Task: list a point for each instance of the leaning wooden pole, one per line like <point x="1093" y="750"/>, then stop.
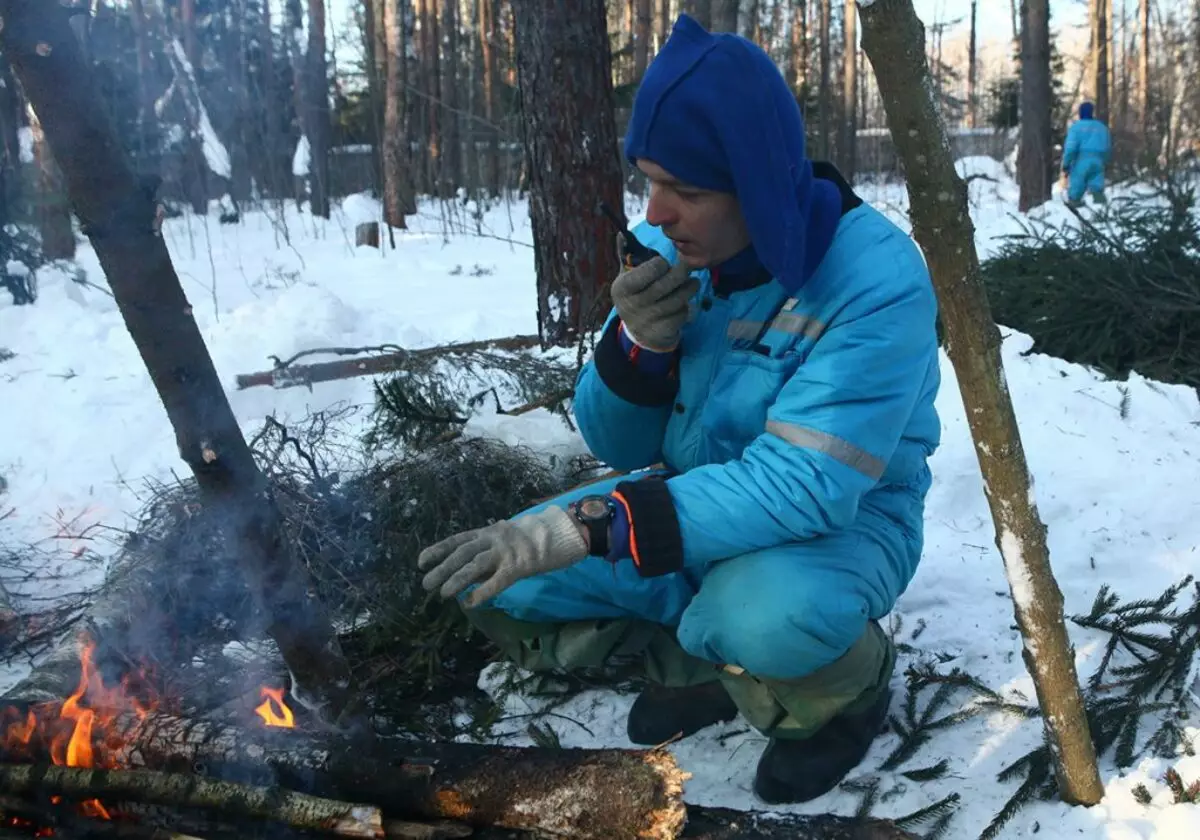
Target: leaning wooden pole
<point x="117" y="213"/>
<point x="894" y="41"/>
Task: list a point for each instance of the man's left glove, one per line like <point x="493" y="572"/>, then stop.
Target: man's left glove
<point x="497" y="556"/>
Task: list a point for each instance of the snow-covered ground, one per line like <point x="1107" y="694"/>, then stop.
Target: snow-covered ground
<point x="1116" y="466"/>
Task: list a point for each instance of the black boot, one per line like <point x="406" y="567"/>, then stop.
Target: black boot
<point x="800" y="770"/>
<point x="660" y="714"/>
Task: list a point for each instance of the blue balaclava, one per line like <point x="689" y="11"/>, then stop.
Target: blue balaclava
<point x="715" y="111"/>
<point x="1086" y="110"/>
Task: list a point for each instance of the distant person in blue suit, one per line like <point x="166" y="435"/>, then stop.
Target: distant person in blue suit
<point x="1085" y="154"/>
<point x="767" y="384"/>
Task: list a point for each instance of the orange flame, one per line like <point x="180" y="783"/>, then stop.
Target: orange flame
<point x="266" y="710"/>
<point x="74" y="729"/>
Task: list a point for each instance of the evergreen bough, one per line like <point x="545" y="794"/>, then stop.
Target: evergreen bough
<point x="1118" y="291"/>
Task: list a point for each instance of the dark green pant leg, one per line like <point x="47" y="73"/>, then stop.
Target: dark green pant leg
<point x="565" y="646"/>
<point x="796" y="708"/>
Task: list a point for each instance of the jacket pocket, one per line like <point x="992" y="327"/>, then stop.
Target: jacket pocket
<point x="745" y="386"/>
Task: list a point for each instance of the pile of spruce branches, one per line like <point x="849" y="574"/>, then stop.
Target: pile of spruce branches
<point x="1118" y="291"/>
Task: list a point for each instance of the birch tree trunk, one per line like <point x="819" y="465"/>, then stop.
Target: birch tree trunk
<point x="1033" y="155"/>
<point x="893" y="38"/>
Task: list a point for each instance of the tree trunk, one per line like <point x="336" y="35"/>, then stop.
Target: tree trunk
<point x="563" y="68"/>
<point x="293" y="30"/>
<point x="1144" y="102"/>
<point x="893" y="38"/>
<point x="10" y="141"/>
<point x="489" y="11"/>
<point x="641" y="39"/>
<point x="273" y="172"/>
<point x="317" y="97"/>
<point x="664" y="21"/>
<point x="1034" y="160"/>
<point x="451" y="171"/>
<point x="118" y="215"/>
<point x="431" y="52"/>
<point x="798" y="53"/>
<point x="195" y="165"/>
<point x="824" y="92"/>
<point x="701" y="10"/>
<point x="724" y="15"/>
<point x="375" y="58"/>
<point x="1099" y="65"/>
<point x="147" y="122"/>
<point x="849" y="132"/>
<point x="972" y="70"/>
<point x="53" y="203"/>
<point x="396" y="191"/>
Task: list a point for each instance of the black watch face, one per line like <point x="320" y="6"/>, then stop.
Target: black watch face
<point x="593" y="508"/>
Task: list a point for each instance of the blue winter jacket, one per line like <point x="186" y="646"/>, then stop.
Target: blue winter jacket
<point x="1088" y="142"/>
<point x="790" y="415"/>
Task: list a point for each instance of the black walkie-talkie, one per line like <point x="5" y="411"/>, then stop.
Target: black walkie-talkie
<point x="635" y="252"/>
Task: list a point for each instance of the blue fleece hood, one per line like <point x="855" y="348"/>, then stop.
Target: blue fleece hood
<point x="1086" y="110"/>
<point x="715" y="111"/>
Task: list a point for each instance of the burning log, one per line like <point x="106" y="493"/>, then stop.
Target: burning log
<point x="586" y="794"/>
<point x="287" y="374"/>
<point x="295" y="809"/>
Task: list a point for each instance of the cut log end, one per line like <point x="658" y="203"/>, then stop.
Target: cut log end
<point x="667" y="821"/>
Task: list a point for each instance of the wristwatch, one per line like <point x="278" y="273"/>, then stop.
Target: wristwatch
<point x="595" y="513"/>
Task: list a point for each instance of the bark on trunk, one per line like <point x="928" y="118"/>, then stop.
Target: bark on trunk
<point x="53" y="205"/>
<point x="1034" y="160"/>
<point x="396" y="192"/>
<point x="824" y="92"/>
<point x="846" y="143"/>
<point x="1100" y="58"/>
<point x="118" y="214"/>
<point x="1144" y="102"/>
<point x="563" y="66"/>
<point x="451" y="172"/>
<point x="489" y="11"/>
<point x="317" y="98"/>
<point x="893" y="38"/>
<point x="972" y="69"/>
<point x="641" y="39"/>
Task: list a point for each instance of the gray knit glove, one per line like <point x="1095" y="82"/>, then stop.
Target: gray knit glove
<point x="500" y="554"/>
<point x="652" y="301"/>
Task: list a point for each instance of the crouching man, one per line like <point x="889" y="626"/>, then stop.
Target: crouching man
<point x="781" y="361"/>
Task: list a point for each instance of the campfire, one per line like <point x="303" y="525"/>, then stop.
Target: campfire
<point x="92" y="728"/>
<point x="115" y="758"/>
